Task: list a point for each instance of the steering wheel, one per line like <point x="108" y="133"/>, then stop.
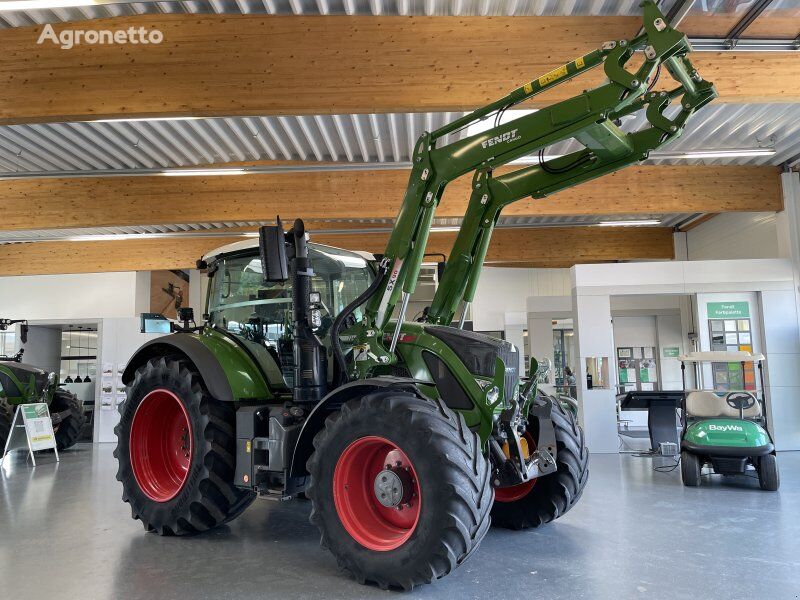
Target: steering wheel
<point x="740" y="400"/>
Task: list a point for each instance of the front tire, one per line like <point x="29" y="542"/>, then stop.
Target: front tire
<point x="176" y="449"/>
<point x="436" y="473"/>
<point x="547" y="498"/>
<point x="69" y="430"/>
<point x="768" y="477"/>
<point x="690" y="469"/>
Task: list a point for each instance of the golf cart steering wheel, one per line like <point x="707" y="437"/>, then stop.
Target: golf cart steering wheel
<point x="740" y="400"/>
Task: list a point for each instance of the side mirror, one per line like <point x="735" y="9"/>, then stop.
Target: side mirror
<point x="272" y="246"/>
<point x="23" y="333"/>
<point x="155" y="323"/>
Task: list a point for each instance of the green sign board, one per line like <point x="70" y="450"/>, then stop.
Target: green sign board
<point x="728" y="310"/>
<point x="671" y="351"/>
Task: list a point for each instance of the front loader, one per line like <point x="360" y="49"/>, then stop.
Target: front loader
<point x="408" y="438"/>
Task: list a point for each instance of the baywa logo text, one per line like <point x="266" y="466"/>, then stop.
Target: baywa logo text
<point x="69" y="38"/>
<point x="713" y="427"/>
<point x="508" y="136"/>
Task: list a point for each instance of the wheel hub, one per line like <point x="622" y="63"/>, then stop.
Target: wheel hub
<point x="393" y="487"/>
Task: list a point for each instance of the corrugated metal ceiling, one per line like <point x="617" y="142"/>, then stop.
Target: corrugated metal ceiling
<point x="374" y="138"/>
<point x="347" y="225"/>
<point x="384" y="7"/>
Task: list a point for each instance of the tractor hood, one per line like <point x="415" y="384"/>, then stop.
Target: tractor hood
<point x="13" y="375"/>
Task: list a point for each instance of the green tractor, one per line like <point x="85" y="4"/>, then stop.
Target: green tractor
<point x="408" y="438"/>
<point x="727" y="430"/>
<point x="26" y="384"/>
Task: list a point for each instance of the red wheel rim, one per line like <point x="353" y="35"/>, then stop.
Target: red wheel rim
<point x="516" y="492"/>
<point x="161" y="445"/>
<point x="365" y="518"/>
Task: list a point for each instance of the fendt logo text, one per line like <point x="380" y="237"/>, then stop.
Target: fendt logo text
<point x="508" y="136"/>
<point x="67" y="39"/>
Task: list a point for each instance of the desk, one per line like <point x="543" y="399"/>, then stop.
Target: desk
<point x="661" y="407"/>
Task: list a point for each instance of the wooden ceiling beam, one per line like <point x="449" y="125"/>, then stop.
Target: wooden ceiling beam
<point x="545" y="247"/>
<point x="226" y="65"/>
<point x="153" y="200"/>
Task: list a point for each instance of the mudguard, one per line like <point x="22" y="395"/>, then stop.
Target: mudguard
<point x="229" y="375"/>
<point x="334" y="401"/>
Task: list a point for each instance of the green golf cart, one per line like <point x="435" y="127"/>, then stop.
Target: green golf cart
<point x="727" y="429"/>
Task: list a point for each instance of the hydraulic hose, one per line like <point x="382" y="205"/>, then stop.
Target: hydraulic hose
<point x="342" y="317"/>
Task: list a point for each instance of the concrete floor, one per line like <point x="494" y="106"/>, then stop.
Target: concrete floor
<point x="65" y="533"/>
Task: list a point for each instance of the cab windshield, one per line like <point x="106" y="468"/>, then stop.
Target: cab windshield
<point x="241" y="302"/>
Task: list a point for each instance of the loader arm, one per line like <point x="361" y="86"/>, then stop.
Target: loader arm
<point x="589" y="118"/>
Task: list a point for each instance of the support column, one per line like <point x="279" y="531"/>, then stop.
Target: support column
<point x="594" y="337"/>
<point x="540" y="337"/>
<point x="514" y="329"/>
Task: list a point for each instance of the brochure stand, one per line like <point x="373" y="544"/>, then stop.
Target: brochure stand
<point x="33" y="428"/>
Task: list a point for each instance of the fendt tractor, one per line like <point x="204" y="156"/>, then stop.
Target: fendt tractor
<point x="408" y="438"/>
<point x="25" y="384"/>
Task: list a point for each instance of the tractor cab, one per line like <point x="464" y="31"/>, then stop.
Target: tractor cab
<point x="727" y="428"/>
<point x="241" y="302"/>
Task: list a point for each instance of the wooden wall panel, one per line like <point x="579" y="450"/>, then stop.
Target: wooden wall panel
<point x="544" y="247"/>
<point x="151" y="200"/>
<point x="217" y="65"/>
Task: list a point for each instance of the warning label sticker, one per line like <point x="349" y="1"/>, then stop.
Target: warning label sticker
<point x="553" y="75"/>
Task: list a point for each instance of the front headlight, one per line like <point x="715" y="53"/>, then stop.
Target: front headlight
<point x="492" y="395"/>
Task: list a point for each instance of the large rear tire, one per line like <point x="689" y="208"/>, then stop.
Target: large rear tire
<point x="768" y="477"/>
<point x="436" y="473"/>
<point x="69" y="430"/>
<point x="690" y="469"/>
<point x="176" y="449"/>
<point x="547" y="498"/>
<point x="6" y="417"/>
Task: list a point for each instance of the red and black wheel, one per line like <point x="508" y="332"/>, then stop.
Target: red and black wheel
<point x="546" y="498"/>
<point x="400" y="489"/>
<point x="175" y="449"/>
<point x="517" y="492"/>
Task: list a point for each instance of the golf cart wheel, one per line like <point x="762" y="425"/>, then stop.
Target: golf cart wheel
<point x="545" y="499"/>
<point x="690" y="469"/>
<point x="175" y="449"/>
<point x="6" y="417"/>
<point x="768" y="477"/>
<point x="400" y="489"/>
<point x="69" y="430"/>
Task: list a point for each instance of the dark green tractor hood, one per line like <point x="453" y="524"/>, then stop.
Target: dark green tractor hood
<point x="21" y="382"/>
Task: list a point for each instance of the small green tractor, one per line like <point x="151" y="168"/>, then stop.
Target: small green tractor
<point x="408" y="438"/>
<point x="26" y="384"/>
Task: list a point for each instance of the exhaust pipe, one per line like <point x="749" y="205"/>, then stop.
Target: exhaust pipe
<point x="310" y="360"/>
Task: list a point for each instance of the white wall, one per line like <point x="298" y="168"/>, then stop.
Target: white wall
<point x="43" y="348"/>
<point x="65" y="297"/>
<point x="506" y="290"/>
<point x="734" y="235"/>
<point x="119" y="338"/>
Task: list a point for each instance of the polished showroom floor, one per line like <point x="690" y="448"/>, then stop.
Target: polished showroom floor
<point x="65" y="533"/>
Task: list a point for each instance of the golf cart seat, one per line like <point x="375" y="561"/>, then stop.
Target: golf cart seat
<point x="708" y="405"/>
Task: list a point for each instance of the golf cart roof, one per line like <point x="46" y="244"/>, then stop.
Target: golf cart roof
<point x="252" y="243"/>
<point x="720" y="356"/>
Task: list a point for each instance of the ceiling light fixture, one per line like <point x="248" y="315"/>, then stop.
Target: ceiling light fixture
<point x="632" y="223"/>
<point x="201" y="172"/>
<point x="43" y="4"/>
<point x="732" y="153"/>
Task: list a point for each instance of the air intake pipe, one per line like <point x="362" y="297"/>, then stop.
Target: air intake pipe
<point x="310" y="361"/>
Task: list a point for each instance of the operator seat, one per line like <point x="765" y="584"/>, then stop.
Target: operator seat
<point x="708" y="405"/>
